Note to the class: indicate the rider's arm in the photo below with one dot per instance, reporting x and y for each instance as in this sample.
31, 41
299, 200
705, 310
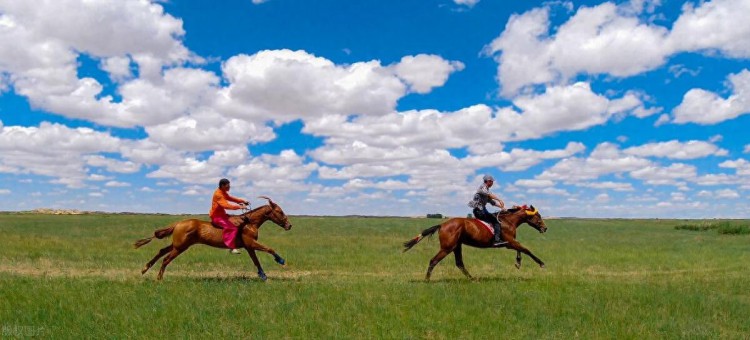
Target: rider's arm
221, 201
496, 201
235, 199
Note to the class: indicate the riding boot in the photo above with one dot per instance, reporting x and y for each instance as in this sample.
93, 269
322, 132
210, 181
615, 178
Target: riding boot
498, 241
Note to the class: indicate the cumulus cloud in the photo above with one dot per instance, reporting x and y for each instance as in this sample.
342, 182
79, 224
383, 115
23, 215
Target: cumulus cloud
423, 72
521, 159
534, 183
49, 36
670, 175
704, 27
608, 185
706, 108
260, 87
611, 39
469, 3
742, 166
605, 159
677, 150
53, 150
561, 108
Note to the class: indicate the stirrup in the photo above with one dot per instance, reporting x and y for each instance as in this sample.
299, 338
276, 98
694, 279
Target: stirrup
499, 243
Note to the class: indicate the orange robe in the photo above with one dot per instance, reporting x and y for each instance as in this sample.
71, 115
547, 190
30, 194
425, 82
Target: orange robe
218, 214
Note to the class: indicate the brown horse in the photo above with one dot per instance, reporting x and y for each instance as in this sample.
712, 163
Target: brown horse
457, 231
186, 233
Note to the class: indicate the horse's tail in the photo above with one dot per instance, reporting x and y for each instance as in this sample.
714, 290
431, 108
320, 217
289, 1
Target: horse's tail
160, 234
427, 232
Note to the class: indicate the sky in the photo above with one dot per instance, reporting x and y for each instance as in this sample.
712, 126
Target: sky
330, 107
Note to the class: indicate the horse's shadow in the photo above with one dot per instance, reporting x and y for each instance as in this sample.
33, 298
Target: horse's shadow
235, 279
464, 280
244, 278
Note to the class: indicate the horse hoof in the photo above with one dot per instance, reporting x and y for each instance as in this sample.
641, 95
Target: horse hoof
518, 266
541, 266
262, 276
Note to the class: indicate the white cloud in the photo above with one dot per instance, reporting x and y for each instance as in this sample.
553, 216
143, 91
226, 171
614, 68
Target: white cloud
595, 40
677, 150
727, 193
747, 148
469, 3
612, 39
116, 184
705, 107
284, 172
49, 35
534, 183
521, 159
616, 186
52, 150
670, 175
260, 87
705, 28
605, 159
119, 68
423, 72
112, 165
5, 192
742, 166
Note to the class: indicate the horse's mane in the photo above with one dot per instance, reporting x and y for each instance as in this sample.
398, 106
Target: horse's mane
509, 211
252, 211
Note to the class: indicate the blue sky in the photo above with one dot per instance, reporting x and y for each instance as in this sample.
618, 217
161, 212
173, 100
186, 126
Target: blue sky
581, 108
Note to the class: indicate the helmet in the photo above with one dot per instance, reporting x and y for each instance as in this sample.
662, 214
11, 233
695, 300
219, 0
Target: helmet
223, 181
488, 178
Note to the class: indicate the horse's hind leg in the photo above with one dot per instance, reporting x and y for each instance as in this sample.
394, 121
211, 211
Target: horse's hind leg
460, 261
167, 260
435, 260
518, 260
161, 253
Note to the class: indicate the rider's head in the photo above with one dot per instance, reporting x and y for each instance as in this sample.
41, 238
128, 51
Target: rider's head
224, 184
488, 180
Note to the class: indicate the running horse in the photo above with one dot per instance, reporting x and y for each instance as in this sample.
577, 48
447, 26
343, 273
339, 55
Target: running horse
455, 232
186, 233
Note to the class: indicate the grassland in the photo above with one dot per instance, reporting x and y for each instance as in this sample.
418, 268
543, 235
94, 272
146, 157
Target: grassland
78, 276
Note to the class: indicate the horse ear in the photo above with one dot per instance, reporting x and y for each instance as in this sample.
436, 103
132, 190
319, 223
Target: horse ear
270, 202
532, 207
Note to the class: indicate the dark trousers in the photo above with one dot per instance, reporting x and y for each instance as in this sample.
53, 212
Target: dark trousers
484, 215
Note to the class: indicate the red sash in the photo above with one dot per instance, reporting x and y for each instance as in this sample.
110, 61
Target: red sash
485, 225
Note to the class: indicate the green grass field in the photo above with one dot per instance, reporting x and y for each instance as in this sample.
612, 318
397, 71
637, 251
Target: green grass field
79, 276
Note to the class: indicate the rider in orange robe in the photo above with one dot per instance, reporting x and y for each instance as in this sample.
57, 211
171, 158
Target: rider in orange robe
218, 214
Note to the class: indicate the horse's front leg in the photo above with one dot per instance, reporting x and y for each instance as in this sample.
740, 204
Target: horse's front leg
518, 259
254, 257
276, 257
513, 244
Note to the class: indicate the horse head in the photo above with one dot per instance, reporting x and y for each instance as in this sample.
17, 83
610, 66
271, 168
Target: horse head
277, 215
533, 218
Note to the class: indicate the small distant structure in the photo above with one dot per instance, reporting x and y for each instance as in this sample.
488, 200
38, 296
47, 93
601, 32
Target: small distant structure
434, 215
48, 211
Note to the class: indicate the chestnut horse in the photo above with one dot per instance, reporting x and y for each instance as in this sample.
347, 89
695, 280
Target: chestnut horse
457, 231
186, 233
